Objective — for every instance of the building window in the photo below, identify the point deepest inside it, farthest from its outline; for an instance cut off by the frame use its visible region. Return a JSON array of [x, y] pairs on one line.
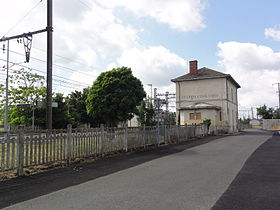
[[220, 116], [192, 117], [195, 116]]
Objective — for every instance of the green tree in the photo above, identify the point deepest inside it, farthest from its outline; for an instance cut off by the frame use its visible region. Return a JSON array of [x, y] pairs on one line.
[[265, 112], [1, 103], [25, 88], [244, 121], [114, 96], [146, 113], [207, 122], [171, 118], [61, 115], [77, 108]]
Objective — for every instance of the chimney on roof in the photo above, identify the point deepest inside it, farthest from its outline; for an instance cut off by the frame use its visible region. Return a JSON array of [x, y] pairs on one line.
[[193, 67]]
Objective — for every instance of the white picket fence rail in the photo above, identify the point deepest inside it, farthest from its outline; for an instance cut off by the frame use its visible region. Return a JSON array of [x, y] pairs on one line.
[[25, 149]]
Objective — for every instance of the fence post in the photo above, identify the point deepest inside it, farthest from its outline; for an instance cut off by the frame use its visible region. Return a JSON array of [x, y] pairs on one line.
[[102, 138], [20, 152], [157, 139], [178, 134], [69, 144], [125, 138], [144, 136], [165, 134]]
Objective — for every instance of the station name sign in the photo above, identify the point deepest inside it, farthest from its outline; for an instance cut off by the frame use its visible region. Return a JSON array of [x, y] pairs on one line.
[[199, 97]]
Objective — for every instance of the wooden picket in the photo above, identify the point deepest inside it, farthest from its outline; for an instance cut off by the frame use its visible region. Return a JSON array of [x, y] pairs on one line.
[[23, 150]]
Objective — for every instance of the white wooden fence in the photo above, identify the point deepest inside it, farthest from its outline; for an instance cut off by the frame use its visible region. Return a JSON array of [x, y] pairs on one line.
[[21, 150]]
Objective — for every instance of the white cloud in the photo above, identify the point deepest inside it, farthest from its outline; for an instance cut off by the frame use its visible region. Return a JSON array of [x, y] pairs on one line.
[[273, 33], [182, 15], [96, 31], [90, 36], [255, 68], [86, 33], [155, 64]]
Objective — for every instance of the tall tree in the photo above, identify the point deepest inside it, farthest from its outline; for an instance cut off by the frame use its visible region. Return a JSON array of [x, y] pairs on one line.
[[1, 104], [77, 108], [268, 113], [61, 115], [146, 113], [114, 96], [25, 88]]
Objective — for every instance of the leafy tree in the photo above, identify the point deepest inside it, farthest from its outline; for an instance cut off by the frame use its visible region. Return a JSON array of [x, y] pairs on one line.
[[61, 115], [146, 113], [207, 122], [171, 118], [77, 108], [1, 103], [264, 112], [114, 96], [25, 88], [244, 121]]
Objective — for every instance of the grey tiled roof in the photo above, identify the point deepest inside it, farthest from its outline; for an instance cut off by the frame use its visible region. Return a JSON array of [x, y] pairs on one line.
[[204, 73]]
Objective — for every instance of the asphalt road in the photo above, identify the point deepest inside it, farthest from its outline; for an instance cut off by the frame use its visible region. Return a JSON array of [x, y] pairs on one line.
[[257, 185], [194, 178]]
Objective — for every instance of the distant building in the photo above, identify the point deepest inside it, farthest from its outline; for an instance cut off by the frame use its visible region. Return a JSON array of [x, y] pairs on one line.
[[207, 94], [133, 122], [255, 123]]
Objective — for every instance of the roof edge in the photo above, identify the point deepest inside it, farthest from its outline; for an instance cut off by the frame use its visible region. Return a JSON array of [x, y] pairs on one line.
[[210, 77]]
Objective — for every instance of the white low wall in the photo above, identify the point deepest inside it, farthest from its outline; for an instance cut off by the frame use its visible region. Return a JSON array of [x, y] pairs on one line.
[[271, 124]]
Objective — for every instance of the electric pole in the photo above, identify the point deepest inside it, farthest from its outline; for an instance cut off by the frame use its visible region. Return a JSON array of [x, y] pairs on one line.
[[278, 95], [27, 40], [6, 127], [49, 63], [151, 92], [166, 101], [278, 84]]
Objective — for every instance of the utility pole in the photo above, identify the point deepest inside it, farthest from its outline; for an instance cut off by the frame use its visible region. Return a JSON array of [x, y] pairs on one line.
[[27, 38], [6, 127], [49, 63], [166, 101], [278, 84], [157, 106], [166, 107], [278, 95], [151, 91]]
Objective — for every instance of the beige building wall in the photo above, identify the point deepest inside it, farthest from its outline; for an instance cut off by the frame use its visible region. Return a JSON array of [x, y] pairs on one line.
[[212, 114], [219, 92]]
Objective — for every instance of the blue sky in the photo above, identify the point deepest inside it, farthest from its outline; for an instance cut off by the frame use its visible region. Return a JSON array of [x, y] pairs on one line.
[[156, 39]]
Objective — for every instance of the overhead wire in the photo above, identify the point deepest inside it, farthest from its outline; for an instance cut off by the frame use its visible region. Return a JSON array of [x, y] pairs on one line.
[[41, 71], [59, 66], [60, 56], [23, 18]]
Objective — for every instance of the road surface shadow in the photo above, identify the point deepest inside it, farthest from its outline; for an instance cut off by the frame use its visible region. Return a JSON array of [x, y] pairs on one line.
[[24, 188], [257, 185]]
